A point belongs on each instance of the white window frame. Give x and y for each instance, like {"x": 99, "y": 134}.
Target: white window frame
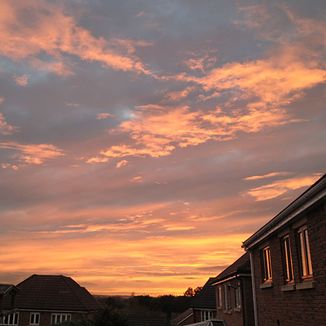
{"x": 59, "y": 318}
{"x": 287, "y": 258}
{"x": 304, "y": 251}
{"x": 206, "y": 315}
{"x": 34, "y": 318}
{"x": 10, "y": 319}
{"x": 237, "y": 297}
{"x": 266, "y": 264}
{"x": 227, "y": 298}
{"x": 219, "y": 297}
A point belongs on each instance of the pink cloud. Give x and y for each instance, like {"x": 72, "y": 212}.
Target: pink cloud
{"x": 5, "y": 127}
{"x": 21, "y": 80}
{"x": 158, "y": 131}
{"x": 102, "y": 116}
{"x": 278, "y": 188}
{"x": 35, "y": 154}
{"x": 57, "y": 34}
{"x": 121, "y": 164}
{"x": 266, "y": 176}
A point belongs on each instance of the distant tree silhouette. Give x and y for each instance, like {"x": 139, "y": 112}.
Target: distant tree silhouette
{"x": 197, "y": 289}
{"x": 189, "y": 292}
{"x": 106, "y": 317}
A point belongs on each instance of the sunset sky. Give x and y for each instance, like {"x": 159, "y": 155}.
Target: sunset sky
{"x": 141, "y": 141}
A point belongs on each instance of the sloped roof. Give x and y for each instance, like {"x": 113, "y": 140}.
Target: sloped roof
{"x": 53, "y": 292}
{"x": 241, "y": 265}
{"x": 206, "y": 297}
{"x": 5, "y": 288}
{"x": 184, "y": 315}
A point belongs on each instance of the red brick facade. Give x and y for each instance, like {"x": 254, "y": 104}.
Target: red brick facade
{"x": 236, "y": 316}
{"x": 45, "y": 317}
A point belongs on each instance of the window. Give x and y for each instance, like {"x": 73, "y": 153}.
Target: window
{"x": 304, "y": 252}
{"x": 237, "y": 297}
{"x": 266, "y": 265}
{"x": 287, "y": 259}
{"x": 219, "y": 297}
{"x": 34, "y": 318}
{"x": 207, "y": 315}
{"x": 227, "y": 297}
{"x": 60, "y": 318}
{"x": 10, "y": 319}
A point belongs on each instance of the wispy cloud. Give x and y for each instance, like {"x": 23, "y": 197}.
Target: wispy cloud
{"x": 56, "y": 33}
{"x": 33, "y": 153}
{"x": 278, "y": 188}
{"x": 21, "y": 80}
{"x": 5, "y": 127}
{"x": 102, "y": 116}
{"x": 266, "y": 176}
{"x": 121, "y": 164}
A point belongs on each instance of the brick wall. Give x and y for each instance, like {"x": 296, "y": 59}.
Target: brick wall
{"x": 234, "y": 316}
{"x": 297, "y": 307}
{"x": 45, "y": 318}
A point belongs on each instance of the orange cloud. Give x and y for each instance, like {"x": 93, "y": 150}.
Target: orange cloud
{"x": 5, "y": 127}
{"x": 102, "y": 116}
{"x": 34, "y": 153}
{"x": 179, "y": 95}
{"x": 57, "y": 34}
{"x": 159, "y": 131}
{"x": 265, "y": 176}
{"x": 121, "y": 164}
{"x": 279, "y": 188}
{"x": 272, "y": 83}
{"x": 137, "y": 179}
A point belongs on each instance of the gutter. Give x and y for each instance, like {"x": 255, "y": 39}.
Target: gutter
{"x": 232, "y": 277}
{"x": 253, "y": 285}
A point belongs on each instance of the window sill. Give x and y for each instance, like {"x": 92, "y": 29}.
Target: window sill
{"x": 266, "y": 285}
{"x": 229, "y": 312}
{"x": 237, "y": 309}
{"x": 288, "y": 287}
{"x": 306, "y": 285}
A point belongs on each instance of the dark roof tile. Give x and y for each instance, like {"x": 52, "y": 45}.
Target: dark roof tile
{"x": 241, "y": 265}
{"x": 53, "y": 292}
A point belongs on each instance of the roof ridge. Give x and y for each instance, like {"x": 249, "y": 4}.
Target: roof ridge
{"x": 72, "y": 290}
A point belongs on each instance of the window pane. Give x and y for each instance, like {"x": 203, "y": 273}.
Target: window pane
{"x": 309, "y": 264}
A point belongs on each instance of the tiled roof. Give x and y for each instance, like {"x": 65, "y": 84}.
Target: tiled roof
{"x": 206, "y": 298}
{"x": 53, "y": 292}
{"x": 5, "y": 287}
{"x": 241, "y": 265}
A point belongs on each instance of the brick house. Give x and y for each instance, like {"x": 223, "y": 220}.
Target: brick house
{"x": 288, "y": 263}
{"x": 44, "y": 300}
{"x": 203, "y": 307}
{"x": 234, "y": 294}
{"x": 7, "y": 293}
